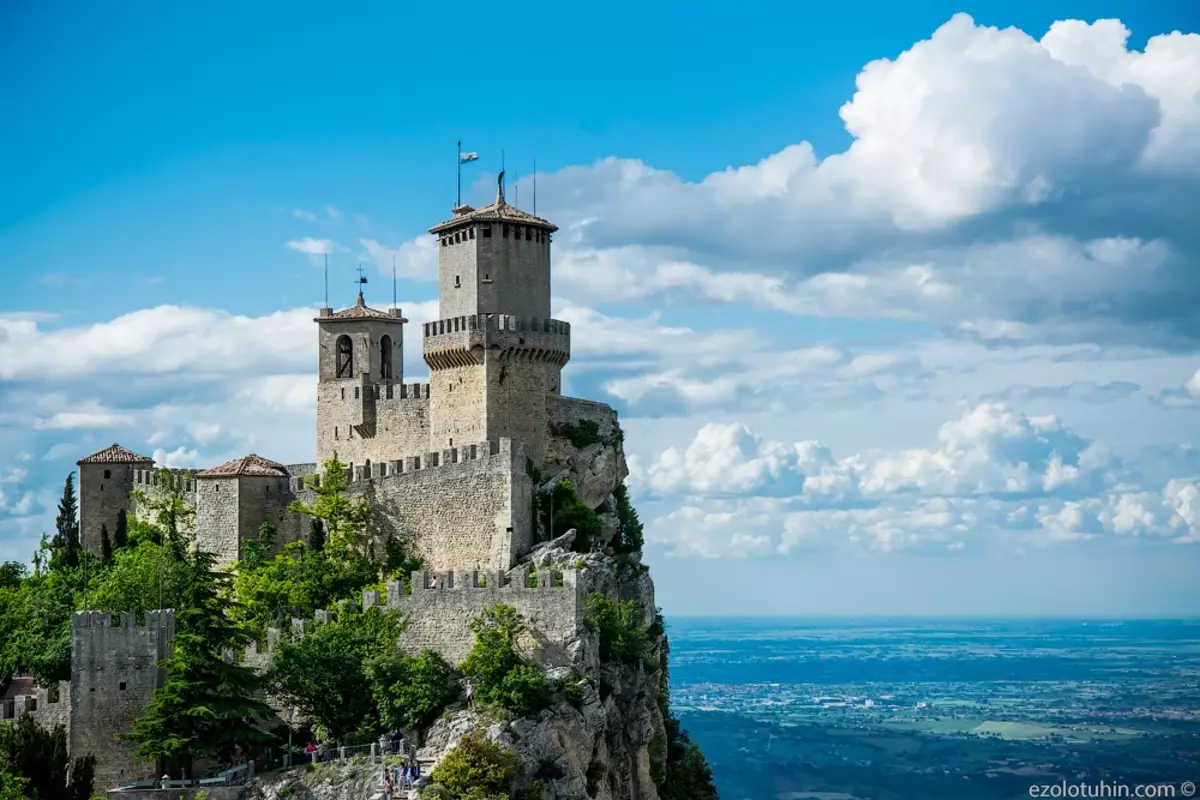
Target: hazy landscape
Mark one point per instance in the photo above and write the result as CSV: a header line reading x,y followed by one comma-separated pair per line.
x,y
841,709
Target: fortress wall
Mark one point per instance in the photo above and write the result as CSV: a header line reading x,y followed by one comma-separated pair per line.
x,y
363,421
457,409
517,394
114,674
465,507
437,618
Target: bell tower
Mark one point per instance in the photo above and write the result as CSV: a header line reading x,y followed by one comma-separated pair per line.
x,y
360,361
495,355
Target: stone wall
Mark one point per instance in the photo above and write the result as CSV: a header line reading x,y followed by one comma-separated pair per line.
x,y
48,707
104,490
364,421
494,267
466,507
114,674
437,618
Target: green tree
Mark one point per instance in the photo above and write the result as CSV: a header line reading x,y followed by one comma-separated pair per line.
x,y
170,513
411,692
142,577
106,548
344,521
316,536
38,759
324,674
477,768
256,550
629,538
297,582
208,706
11,574
121,534
623,635
65,548
500,677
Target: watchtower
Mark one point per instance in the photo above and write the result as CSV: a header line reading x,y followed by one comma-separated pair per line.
x,y
495,354
360,360
106,483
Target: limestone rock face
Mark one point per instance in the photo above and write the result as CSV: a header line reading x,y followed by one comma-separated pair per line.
x,y
596,469
348,781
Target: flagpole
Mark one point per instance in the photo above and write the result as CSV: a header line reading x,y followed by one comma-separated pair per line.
x,y
459,202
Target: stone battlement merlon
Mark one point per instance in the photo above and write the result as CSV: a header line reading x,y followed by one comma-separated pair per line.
x,y
492,322
463,341
182,480
483,454
154,620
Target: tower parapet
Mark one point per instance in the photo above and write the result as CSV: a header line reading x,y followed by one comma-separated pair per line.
x,y
463,341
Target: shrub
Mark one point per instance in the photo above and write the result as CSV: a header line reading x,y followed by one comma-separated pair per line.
x,y
500,677
411,692
596,772
619,624
581,434
523,690
476,768
559,510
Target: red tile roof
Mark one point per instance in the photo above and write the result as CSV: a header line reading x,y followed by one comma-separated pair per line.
x,y
499,211
359,310
115,454
20,686
247,465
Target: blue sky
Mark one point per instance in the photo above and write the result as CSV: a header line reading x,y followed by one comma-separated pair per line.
x,y
967,272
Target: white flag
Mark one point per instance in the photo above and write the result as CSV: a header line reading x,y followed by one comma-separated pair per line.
x,y
465,157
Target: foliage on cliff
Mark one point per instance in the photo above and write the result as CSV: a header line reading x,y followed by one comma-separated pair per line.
x,y
323,674
411,691
34,764
344,520
476,769
684,770
500,677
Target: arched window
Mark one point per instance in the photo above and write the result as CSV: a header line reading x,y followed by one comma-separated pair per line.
x,y
345,357
385,358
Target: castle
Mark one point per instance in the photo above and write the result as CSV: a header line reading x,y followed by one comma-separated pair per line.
x,y
444,464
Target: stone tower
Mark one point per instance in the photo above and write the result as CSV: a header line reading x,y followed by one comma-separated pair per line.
x,y
494,356
360,362
106,483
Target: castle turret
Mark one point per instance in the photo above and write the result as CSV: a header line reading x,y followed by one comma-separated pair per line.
x,y
495,355
234,499
106,484
361,361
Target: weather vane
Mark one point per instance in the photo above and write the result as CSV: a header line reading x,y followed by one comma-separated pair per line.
x,y
361,278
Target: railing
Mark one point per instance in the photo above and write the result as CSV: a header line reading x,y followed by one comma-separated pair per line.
x,y
229,777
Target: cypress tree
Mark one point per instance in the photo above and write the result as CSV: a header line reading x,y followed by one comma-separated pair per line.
x,y
65,547
316,536
106,548
208,707
121,534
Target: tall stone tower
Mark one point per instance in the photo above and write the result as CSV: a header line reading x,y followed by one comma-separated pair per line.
x,y
361,363
106,483
494,355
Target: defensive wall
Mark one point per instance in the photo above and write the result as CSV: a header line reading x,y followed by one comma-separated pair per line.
x,y
362,419
438,606
114,675
462,507
49,706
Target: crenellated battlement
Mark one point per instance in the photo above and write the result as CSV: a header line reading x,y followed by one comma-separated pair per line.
x,y
465,340
437,605
483,454
182,480
154,620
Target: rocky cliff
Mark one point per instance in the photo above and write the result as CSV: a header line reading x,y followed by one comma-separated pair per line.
x,y
607,733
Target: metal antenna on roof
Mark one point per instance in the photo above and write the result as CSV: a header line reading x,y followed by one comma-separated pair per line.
x,y
327,280
517,190
503,184
393,280
535,187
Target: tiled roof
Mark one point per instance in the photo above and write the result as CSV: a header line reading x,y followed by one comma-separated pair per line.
x,y
359,310
247,465
115,454
498,211
20,686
